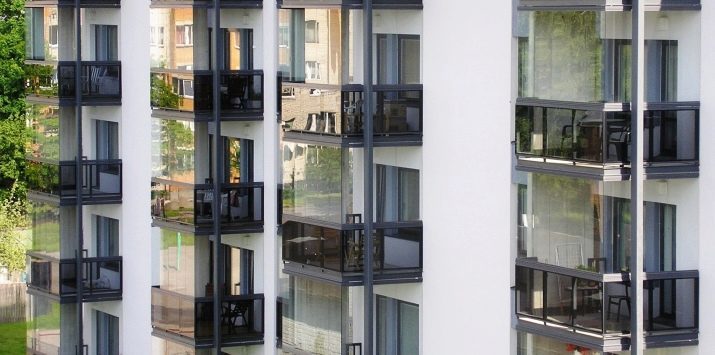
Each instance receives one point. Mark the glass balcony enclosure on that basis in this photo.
(388, 4)
(582, 301)
(316, 317)
(571, 223)
(332, 112)
(584, 56)
(603, 138)
(47, 327)
(318, 182)
(396, 249)
(101, 277)
(192, 318)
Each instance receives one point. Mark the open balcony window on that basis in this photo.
(318, 182)
(585, 56)
(318, 46)
(567, 222)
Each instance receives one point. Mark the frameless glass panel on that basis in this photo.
(178, 255)
(670, 304)
(180, 38)
(532, 344)
(316, 319)
(318, 45)
(529, 292)
(46, 229)
(51, 326)
(559, 299)
(317, 181)
(44, 124)
(174, 146)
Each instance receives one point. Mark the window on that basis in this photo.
(107, 144)
(398, 59)
(183, 87)
(398, 194)
(107, 334)
(184, 35)
(107, 236)
(397, 327)
(157, 35)
(54, 35)
(312, 70)
(311, 31)
(283, 36)
(105, 42)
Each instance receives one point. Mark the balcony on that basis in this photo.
(612, 5)
(190, 207)
(101, 278)
(83, 3)
(593, 310)
(240, 4)
(56, 181)
(337, 255)
(189, 95)
(353, 4)
(596, 144)
(329, 115)
(189, 320)
(101, 83)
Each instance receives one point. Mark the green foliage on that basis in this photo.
(12, 55)
(13, 212)
(13, 336)
(12, 103)
(162, 95)
(13, 136)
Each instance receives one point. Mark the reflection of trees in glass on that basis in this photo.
(44, 132)
(568, 55)
(43, 177)
(322, 169)
(40, 80)
(524, 129)
(567, 204)
(177, 148)
(162, 95)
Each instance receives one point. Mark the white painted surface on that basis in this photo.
(467, 165)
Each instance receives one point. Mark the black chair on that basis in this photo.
(619, 300)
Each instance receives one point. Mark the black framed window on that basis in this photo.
(107, 236)
(106, 42)
(397, 193)
(398, 59)
(397, 328)
(107, 334)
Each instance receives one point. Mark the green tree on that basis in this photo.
(12, 103)
(12, 218)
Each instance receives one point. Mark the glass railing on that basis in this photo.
(398, 248)
(101, 179)
(589, 302)
(397, 110)
(241, 93)
(101, 276)
(189, 317)
(99, 80)
(241, 204)
(581, 136)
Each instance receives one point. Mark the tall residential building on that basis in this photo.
(89, 260)
(398, 178)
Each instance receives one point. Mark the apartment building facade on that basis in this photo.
(297, 177)
(85, 211)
